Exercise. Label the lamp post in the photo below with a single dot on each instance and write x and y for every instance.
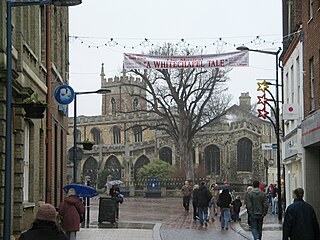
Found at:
(276, 54)
(8, 143)
(100, 91)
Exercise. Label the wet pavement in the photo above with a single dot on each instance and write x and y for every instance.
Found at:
(165, 219)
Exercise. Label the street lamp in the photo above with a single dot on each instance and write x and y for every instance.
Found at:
(100, 91)
(8, 143)
(277, 128)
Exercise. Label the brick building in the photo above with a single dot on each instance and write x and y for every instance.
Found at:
(40, 64)
(301, 22)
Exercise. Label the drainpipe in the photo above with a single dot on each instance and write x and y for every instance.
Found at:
(49, 108)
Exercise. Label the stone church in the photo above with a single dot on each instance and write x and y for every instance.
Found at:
(230, 148)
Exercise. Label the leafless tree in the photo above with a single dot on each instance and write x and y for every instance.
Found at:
(186, 100)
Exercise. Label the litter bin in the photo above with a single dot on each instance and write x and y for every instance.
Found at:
(107, 209)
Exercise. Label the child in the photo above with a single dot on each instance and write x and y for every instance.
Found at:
(236, 204)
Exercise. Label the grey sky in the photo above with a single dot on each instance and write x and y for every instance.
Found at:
(210, 23)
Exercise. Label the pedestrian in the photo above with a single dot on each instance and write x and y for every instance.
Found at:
(212, 208)
(257, 205)
(203, 198)
(274, 199)
(44, 226)
(194, 202)
(186, 192)
(300, 220)
(69, 210)
(117, 196)
(236, 204)
(114, 190)
(246, 198)
(224, 202)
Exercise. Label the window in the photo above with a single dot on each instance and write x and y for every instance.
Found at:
(137, 133)
(287, 88)
(96, 136)
(312, 94)
(244, 155)
(310, 9)
(135, 104)
(212, 159)
(26, 158)
(113, 106)
(292, 84)
(165, 154)
(116, 135)
(298, 79)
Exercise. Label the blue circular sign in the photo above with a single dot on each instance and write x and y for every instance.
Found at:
(64, 94)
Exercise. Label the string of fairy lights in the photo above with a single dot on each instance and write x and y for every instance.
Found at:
(197, 43)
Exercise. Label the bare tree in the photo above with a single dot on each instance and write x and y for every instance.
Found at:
(186, 100)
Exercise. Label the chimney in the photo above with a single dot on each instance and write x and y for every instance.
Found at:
(245, 101)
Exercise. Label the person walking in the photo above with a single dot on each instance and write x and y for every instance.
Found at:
(70, 210)
(186, 192)
(114, 192)
(300, 220)
(224, 202)
(194, 202)
(246, 199)
(203, 198)
(274, 200)
(257, 205)
(236, 208)
(44, 226)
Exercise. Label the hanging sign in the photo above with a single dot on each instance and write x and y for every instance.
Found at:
(290, 111)
(232, 59)
(64, 94)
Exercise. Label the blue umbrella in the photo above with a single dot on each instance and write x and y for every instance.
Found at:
(81, 190)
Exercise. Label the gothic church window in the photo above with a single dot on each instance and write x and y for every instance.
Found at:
(244, 155)
(137, 133)
(113, 106)
(90, 168)
(212, 159)
(143, 160)
(135, 104)
(165, 154)
(114, 167)
(96, 136)
(116, 135)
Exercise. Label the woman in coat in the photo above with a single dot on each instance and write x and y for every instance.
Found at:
(44, 226)
(70, 210)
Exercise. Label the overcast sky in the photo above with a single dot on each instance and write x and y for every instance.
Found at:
(101, 31)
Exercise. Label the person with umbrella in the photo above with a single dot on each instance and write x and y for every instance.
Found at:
(70, 210)
(114, 192)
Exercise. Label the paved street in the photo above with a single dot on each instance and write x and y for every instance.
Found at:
(165, 218)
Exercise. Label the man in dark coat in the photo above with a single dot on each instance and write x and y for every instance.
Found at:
(300, 220)
(202, 198)
(44, 226)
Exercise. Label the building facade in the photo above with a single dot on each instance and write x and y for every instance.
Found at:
(230, 148)
(40, 64)
(301, 87)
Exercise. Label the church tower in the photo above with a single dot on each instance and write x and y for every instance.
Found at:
(125, 94)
